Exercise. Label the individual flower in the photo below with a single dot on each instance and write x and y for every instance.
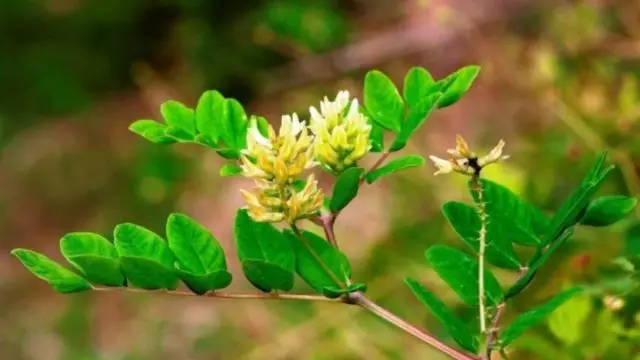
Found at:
(464, 161)
(341, 132)
(274, 161)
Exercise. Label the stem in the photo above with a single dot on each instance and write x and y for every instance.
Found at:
(327, 225)
(475, 180)
(227, 295)
(377, 164)
(359, 299)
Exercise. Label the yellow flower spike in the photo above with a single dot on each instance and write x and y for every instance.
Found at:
(305, 202)
(464, 161)
(340, 139)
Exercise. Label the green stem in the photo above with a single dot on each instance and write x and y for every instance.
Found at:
(482, 234)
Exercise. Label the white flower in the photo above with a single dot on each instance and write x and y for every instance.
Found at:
(464, 161)
(444, 166)
(494, 155)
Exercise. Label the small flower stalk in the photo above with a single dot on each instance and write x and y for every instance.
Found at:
(275, 161)
(464, 161)
(341, 132)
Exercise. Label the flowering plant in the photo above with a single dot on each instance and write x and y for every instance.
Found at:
(334, 139)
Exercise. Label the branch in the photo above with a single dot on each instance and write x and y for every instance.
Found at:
(361, 300)
(482, 234)
(226, 295)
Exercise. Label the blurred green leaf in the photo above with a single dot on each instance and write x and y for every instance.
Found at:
(395, 165)
(94, 256)
(514, 216)
(455, 327)
(632, 239)
(178, 134)
(334, 292)
(526, 320)
(152, 131)
(177, 115)
(346, 188)
(608, 210)
(383, 101)
(458, 85)
(566, 322)
(146, 258)
(415, 118)
(267, 256)
(416, 86)
(460, 272)
(230, 169)
(199, 255)
(466, 222)
(61, 279)
(210, 113)
(318, 263)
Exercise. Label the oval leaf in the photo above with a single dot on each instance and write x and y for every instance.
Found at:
(94, 256)
(457, 85)
(395, 165)
(455, 327)
(210, 113)
(608, 210)
(234, 127)
(417, 85)
(318, 263)
(152, 131)
(142, 250)
(346, 188)
(267, 257)
(382, 100)
(415, 118)
(177, 115)
(460, 272)
(196, 250)
(532, 317)
(466, 222)
(61, 279)
(201, 284)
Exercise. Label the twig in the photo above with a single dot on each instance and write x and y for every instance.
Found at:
(226, 295)
(482, 234)
(361, 300)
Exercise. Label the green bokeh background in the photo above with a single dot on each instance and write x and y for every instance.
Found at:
(560, 82)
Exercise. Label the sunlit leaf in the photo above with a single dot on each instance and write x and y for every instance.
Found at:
(61, 279)
(179, 116)
(608, 210)
(416, 86)
(94, 256)
(383, 101)
(395, 165)
(346, 188)
(457, 85)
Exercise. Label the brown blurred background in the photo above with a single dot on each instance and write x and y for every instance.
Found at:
(560, 82)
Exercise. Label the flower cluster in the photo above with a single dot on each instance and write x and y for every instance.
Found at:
(339, 137)
(274, 161)
(465, 161)
(342, 132)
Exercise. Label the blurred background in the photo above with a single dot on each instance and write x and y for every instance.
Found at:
(560, 82)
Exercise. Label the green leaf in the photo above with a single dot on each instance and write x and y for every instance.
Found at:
(466, 222)
(515, 217)
(178, 134)
(346, 188)
(267, 257)
(210, 113)
(608, 210)
(234, 129)
(532, 317)
(537, 260)
(632, 239)
(152, 131)
(454, 326)
(567, 321)
(395, 165)
(230, 169)
(58, 277)
(383, 101)
(196, 250)
(94, 256)
(376, 136)
(415, 118)
(201, 284)
(572, 209)
(261, 123)
(333, 292)
(148, 274)
(416, 86)
(312, 252)
(146, 258)
(178, 116)
(460, 272)
(458, 85)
